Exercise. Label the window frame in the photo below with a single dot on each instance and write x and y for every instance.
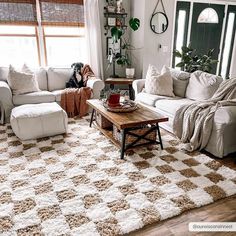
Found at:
(40, 35)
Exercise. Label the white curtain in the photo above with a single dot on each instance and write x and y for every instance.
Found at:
(93, 35)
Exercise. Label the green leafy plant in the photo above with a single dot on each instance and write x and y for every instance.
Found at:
(192, 61)
(117, 33)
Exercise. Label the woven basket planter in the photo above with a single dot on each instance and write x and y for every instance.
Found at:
(129, 138)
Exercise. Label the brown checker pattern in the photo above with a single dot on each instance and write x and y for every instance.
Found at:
(75, 184)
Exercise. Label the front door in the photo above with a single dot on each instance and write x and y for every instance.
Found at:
(206, 29)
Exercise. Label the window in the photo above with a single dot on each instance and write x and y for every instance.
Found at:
(208, 15)
(229, 37)
(18, 44)
(60, 40)
(180, 33)
(181, 28)
(62, 49)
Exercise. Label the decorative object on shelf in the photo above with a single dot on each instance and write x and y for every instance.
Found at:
(119, 7)
(130, 73)
(159, 20)
(192, 61)
(111, 21)
(111, 6)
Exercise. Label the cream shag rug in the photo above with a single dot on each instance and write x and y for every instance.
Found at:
(75, 184)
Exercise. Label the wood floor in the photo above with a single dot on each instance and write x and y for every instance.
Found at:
(221, 211)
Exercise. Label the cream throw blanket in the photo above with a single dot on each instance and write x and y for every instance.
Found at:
(193, 122)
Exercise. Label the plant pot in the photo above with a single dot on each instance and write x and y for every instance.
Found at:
(130, 72)
(114, 100)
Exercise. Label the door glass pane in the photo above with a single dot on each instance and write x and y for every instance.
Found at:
(18, 50)
(208, 15)
(65, 51)
(180, 33)
(228, 41)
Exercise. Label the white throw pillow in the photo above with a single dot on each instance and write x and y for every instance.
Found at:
(21, 82)
(202, 85)
(159, 84)
(180, 81)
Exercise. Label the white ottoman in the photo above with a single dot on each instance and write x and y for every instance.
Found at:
(33, 121)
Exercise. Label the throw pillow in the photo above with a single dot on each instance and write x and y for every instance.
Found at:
(202, 85)
(180, 81)
(21, 82)
(159, 84)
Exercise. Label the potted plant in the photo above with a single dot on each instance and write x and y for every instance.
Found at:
(192, 61)
(124, 58)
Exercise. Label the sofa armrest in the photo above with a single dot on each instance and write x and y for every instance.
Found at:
(225, 115)
(96, 84)
(5, 102)
(138, 85)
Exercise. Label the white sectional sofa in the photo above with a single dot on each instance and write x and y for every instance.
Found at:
(51, 83)
(223, 137)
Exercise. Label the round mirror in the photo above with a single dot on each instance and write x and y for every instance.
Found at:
(159, 22)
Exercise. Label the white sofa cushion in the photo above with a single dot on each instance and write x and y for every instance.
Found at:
(57, 94)
(34, 98)
(21, 82)
(4, 73)
(202, 85)
(159, 84)
(149, 99)
(41, 76)
(180, 81)
(170, 106)
(57, 78)
(35, 121)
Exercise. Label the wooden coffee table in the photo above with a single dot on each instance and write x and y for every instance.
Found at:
(128, 122)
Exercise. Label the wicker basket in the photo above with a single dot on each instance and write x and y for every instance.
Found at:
(102, 121)
(129, 138)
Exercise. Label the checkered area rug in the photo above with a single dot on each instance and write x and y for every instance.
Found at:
(75, 184)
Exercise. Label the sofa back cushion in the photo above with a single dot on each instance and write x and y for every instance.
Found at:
(40, 75)
(180, 81)
(202, 85)
(4, 73)
(57, 78)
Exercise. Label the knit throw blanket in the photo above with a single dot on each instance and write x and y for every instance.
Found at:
(73, 101)
(193, 123)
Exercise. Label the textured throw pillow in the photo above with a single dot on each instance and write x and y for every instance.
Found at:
(21, 82)
(180, 81)
(159, 84)
(202, 85)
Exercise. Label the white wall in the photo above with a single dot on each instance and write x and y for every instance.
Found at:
(148, 41)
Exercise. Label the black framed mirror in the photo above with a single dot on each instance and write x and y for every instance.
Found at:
(159, 22)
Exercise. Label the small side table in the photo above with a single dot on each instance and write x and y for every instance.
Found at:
(113, 81)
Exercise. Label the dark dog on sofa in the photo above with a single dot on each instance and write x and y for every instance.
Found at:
(76, 80)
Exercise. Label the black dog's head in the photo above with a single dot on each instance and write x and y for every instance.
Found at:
(77, 66)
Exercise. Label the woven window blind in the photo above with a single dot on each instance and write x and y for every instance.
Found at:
(18, 12)
(62, 12)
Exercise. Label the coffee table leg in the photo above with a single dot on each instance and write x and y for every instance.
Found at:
(122, 152)
(91, 120)
(159, 135)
